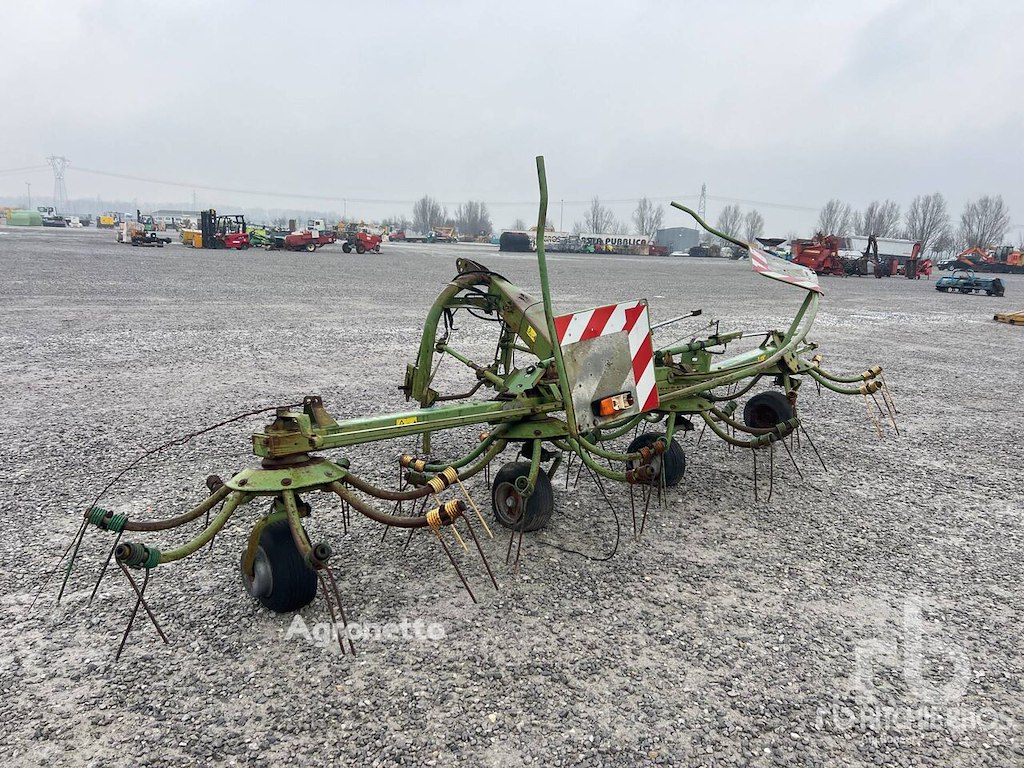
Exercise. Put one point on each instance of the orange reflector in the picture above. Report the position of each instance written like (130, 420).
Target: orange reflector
(609, 406)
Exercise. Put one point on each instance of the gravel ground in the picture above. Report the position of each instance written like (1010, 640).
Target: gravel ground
(870, 614)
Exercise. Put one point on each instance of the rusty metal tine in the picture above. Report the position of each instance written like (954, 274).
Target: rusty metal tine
(508, 552)
(141, 594)
(455, 566)
(519, 545)
(483, 557)
(791, 457)
(632, 508)
(106, 564)
(330, 609)
(53, 570)
(341, 607)
(871, 415)
(813, 446)
(643, 520)
(131, 621)
(71, 563)
(754, 454)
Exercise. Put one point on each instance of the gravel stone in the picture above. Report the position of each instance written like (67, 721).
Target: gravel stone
(729, 635)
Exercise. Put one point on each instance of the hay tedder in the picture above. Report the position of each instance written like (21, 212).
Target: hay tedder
(559, 388)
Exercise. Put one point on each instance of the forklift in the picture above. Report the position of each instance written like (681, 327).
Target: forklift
(222, 231)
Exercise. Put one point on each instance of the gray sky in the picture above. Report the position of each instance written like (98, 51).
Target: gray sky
(781, 102)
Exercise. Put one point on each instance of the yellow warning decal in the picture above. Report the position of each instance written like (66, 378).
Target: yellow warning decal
(531, 333)
(762, 358)
(406, 420)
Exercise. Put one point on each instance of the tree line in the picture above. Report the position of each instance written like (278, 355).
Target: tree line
(471, 219)
(983, 222)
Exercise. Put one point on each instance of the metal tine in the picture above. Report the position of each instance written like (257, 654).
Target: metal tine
(791, 457)
(341, 607)
(632, 509)
(519, 545)
(813, 446)
(71, 562)
(480, 549)
(890, 405)
(455, 565)
(330, 609)
(885, 413)
(508, 552)
(753, 454)
(106, 564)
(408, 541)
(771, 471)
(140, 600)
(476, 509)
(647, 504)
(871, 415)
(701, 435)
(53, 570)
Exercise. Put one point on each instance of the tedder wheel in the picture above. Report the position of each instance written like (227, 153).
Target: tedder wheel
(346, 248)
(360, 248)
(766, 409)
(282, 581)
(674, 461)
(511, 509)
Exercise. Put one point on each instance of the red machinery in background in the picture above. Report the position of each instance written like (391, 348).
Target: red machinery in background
(820, 253)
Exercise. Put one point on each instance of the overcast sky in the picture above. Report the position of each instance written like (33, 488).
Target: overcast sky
(783, 103)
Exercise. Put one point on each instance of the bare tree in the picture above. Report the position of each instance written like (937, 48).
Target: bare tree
(835, 218)
(519, 225)
(598, 219)
(984, 222)
(928, 221)
(647, 218)
(730, 220)
(427, 213)
(753, 225)
(473, 219)
(394, 223)
(943, 243)
(880, 219)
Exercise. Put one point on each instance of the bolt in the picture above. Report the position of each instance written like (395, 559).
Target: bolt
(286, 481)
(243, 481)
(536, 432)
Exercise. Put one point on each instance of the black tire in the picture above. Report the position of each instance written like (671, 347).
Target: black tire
(766, 409)
(346, 248)
(507, 503)
(360, 249)
(674, 461)
(292, 583)
(376, 249)
(310, 247)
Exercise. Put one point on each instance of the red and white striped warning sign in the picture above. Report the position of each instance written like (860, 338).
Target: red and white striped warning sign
(782, 270)
(629, 316)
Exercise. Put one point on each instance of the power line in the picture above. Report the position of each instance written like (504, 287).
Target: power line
(377, 201)
(26, 168)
